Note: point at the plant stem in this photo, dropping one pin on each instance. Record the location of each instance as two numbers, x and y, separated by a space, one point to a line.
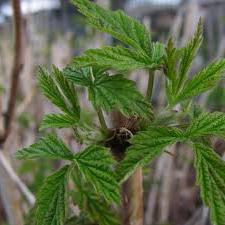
132 189
101 119
150 85
132 199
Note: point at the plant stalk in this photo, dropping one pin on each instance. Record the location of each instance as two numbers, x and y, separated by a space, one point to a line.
150 85
101 119
132 199
132 189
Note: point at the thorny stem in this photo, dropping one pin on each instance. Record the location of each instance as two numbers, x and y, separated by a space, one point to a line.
101 119
150 85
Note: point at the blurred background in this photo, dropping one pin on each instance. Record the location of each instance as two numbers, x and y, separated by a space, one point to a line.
53 33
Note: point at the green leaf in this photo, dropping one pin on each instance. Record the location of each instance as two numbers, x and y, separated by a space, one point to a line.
68 91
51 199
207 124
121 58
170 60
97 209
78 220
58 121
145 146
59 91
109 92
122 27
188 54
50 90
95 164
116 91
47 147
80 76
211 179
203 81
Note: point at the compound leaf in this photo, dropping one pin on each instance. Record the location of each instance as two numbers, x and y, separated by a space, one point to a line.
116 91
47 147
109 92
211 179
95 164
145 146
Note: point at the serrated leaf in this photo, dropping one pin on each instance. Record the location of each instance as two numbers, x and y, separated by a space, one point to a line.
141 52
78 220
47 147
188 54
207 124
100 212
122 27
145 146
116 91
68 91
95 164
59 91
119 58
203 81
170 60
51 199
58 121
50 90
97 209
109 92
211 179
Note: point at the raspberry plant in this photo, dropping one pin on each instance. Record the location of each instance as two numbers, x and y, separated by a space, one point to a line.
92 177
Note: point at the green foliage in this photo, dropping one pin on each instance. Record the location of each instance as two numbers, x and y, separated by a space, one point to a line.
110 92
94 208
52 200
119 25
179 86
95 164
78 220
146 145
203 81
188 54
121 58
142 52
216 98
58 121
59 91
47 147
211 179
207 124
96 175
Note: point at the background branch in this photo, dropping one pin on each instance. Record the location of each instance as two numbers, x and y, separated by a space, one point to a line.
18 63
